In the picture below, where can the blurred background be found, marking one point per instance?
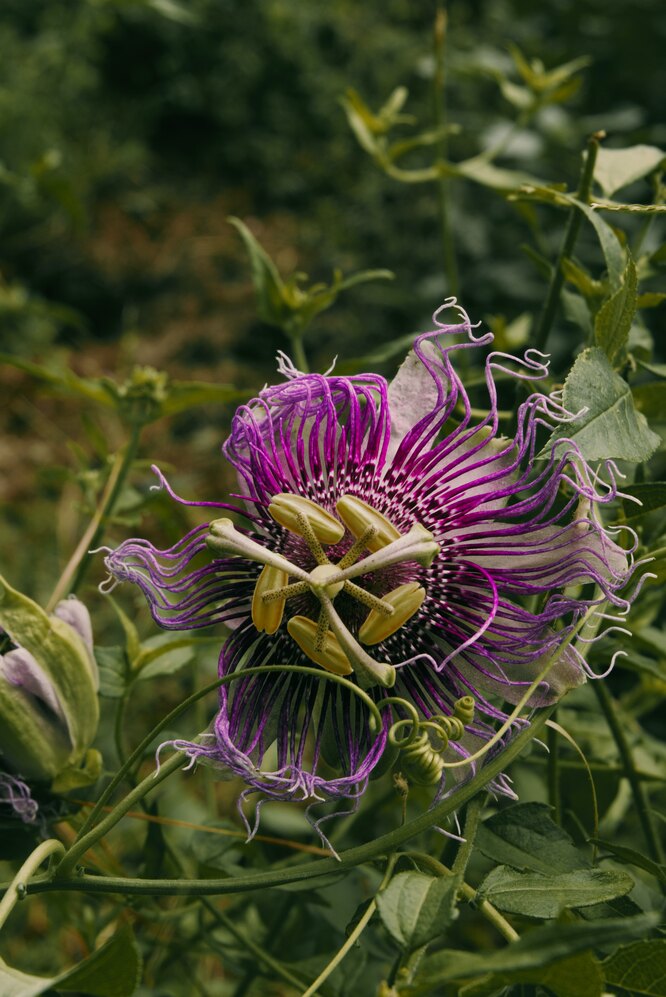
(131, 129)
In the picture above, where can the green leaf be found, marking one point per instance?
(650, 399)
(614, 318)
(651, 299)
(183, 395)
(610, 428)
(111, 971)
(581, 975)
(632, 857)
(617, 168)
(416, 908)
(112, 664)
(132, 640)
(268, 284)
(525, 837)
(652, 495)
(536, 949)
(639, 968)
(65, 661)
(165, 654)
(538, 895)
(65, 382)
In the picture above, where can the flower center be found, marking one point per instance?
(327, 640)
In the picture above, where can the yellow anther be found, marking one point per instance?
(319, 575)
(285, 510)
(357, 516)
(405, 600)
(331, 656)
(267, 615)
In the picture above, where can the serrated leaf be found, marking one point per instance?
(541, 947)
(639, 968)
(416, 908)
(581, 975)
(614, 318)
(524, 836)
(617, 168)
(610, 428)
(535, 894)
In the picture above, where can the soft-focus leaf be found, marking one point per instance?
(617, 168)
(633, 857)
(536, 949)
(416, 908)
(651, 299)
(650, 399)
(639, 968)
(581, 975)
(611, 428)
(538, 895)
(183, 395)
(614, 318)
(652, 495)
(65, 381)
(268, 284)
(165, 654)
(524, 836)
(112, 665)
(111, 971)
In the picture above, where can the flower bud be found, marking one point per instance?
(48, 703)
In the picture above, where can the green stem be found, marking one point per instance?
(386, 844)
(484, 907)
(568, 242)
(471, 826)
(641, 801)
(248, 943)
(17, 888)
(82, 563)
(138, 752)
(86, 841)
(354, 935)
(554, 796)
(299, 357)
(440, 113)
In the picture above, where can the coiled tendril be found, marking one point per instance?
(422, 747)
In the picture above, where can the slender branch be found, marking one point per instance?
(354, 935)
(386, 844)
(249, 943)
(472, 818)
(554, 795)
(300, 359)
(84, 842)
(641, 801)
(79, 563)
(484, 907)
(568, 242)
(440, 113)
(17, 888)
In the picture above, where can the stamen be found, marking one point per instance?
(331, 657)
(358, 547)
(226, 539)
(368, 599)
(306, 530)
(418, 545)
(368, 671)
(357, 516)
(267, 614)
(406, 600)
(322, 630)
(286, 509)
(286, 592)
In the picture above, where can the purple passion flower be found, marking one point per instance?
(387, 533)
